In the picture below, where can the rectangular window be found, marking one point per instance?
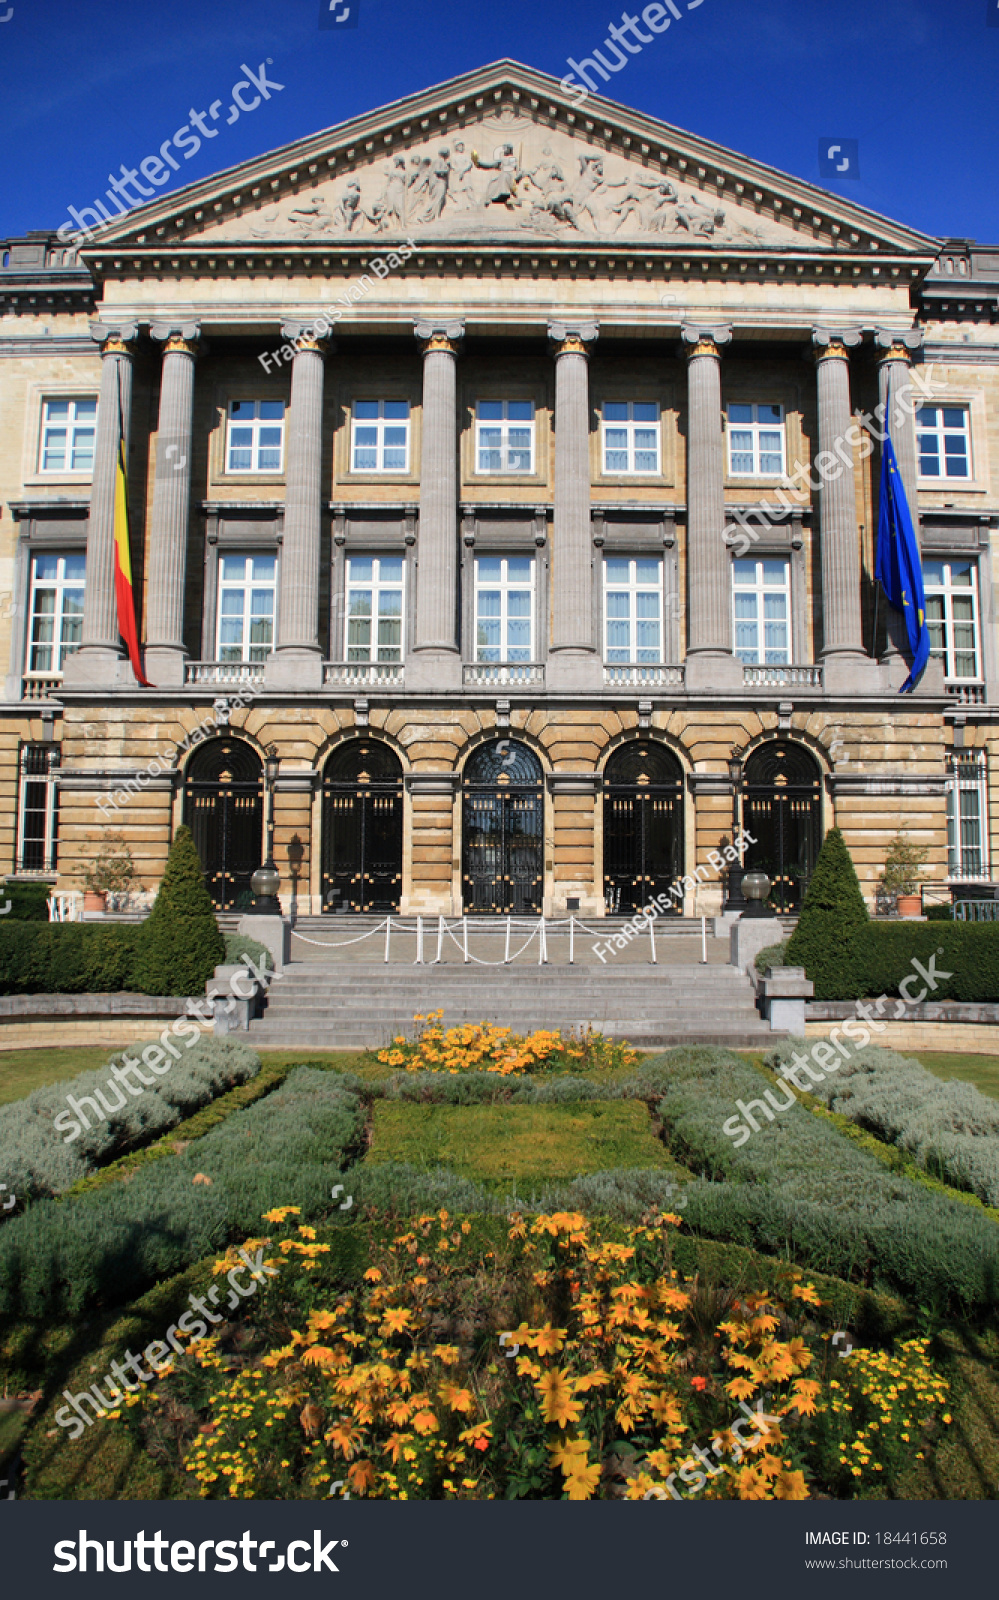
(69, 428)
(943, 436)
(379, 439)
(633, 609)
(374, 608)
(256, 436)
(504, 608)
(36, 811)
(967, 817)
(247, 589)
(55, 610)
(952, 615)
(761, 595)
(504, 436)
(631, 436)
(755, 441)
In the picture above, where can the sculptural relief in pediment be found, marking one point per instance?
(508, 176)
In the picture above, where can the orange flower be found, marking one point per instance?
(700, 1384)
(557, 1404)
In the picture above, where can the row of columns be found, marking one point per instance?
(435, 662)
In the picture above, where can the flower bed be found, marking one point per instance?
(484, 1047)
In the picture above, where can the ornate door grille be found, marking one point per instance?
(503, 831)
(362, 829)
(781, 810)
(643, 826)
(224, 809)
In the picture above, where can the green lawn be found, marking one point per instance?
(544, 1143)
(24, 1070)
(982, 1071)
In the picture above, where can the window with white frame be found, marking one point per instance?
(631, 436)
(755, 440)
(379, 439)
(247, 591)
(375, 587)
(69, 429)
(504, 436)
(255, 441)
(952, 615)
(36, 809)
(967, 816)
(55, 610)
(943, 437)
(761, 595)
(633, 609)
(504, 608)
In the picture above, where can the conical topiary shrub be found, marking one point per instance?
(182, 944)
(826, 942)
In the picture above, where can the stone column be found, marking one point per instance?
(846, 665)
(165, 652)
(435, 660)
(710, 662)
(574, 662)
(297, 661)
(100, 659)
(896, 349)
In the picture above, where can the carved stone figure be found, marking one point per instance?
(349, 210)
(437, 187)
(698, 219)
(462, 190)
(390, 208)
(502, 189)
(588, 186)
(314, 216)
(638, 193)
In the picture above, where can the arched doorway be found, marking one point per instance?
(503, 830)
(643, 825)
(224, 809)
(362, 828)
(781, 801)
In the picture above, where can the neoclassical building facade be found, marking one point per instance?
(503, 490)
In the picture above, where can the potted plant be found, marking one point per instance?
(900, 878)
(112, 871)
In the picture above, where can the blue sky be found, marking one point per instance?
(89, 87)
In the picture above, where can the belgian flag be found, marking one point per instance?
(124, 595)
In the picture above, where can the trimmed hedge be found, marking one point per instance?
(181, 945)
(69, 957)
(35, 1158)
(29, 902)
(876, 958)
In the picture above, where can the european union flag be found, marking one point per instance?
(898, 567)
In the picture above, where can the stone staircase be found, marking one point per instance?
(365, 1004)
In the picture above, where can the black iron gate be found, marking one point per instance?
(224, 809)
(643, 826)
(503, 831)
(362, 828)
(781, 810)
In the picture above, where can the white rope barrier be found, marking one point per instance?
(540, 930)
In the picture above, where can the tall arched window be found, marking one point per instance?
(643, 825)
(362, 828)
(781, 808)
(224, 809)
(503, 830)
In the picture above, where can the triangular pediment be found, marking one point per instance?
(503, 157)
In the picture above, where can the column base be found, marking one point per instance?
(850, 673)
(97, 666)
(166, 666)
(574, 670)
(712, 672)
(294, 667)
(433, 667)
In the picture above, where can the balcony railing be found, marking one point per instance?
(643, 677)
(39, 685)
(512, 672)
(363, 674)
(214, 672)
(966, 694)
(781, 677)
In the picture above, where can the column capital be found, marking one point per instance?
(835, 343)
(115, 339)
(898, 344)
(183, 337)
(703, 339)
(445, 335)
(571, 338)
(305, 338)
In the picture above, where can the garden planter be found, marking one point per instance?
(92, 901)
(909, 905)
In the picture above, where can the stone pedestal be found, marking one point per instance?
(784, 991)
(749, 936)
(272, 931)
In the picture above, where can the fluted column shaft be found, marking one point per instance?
(900, 420)
(437, 581)
(842, 626)
(171, 503)
(709, 576)
(572, 536)
(297, 661)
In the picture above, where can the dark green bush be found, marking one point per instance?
(182, 944)
(29, 902)
(832, 916)
(69, 957)
(939, 913)
(875, 959)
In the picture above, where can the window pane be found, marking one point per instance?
(365, 408)
(618, 605)
(390, 569)
(270, 409)
(233, 569)
(933, 572)
(770, 413)
(618, 571)
(616, 461)
(740, 413)
(360, 569)
(615, 411)
(490, 410)
(646, 411)
(83, 449)
(744, 571)
(953, 416)
(489, 603)
(521, 410)
(264, 568)
(397, 408)
(774, 571)
(518, 569)
(489, 569)
(647, 571)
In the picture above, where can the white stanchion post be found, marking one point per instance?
(388, 936)
(542, 944)
(464, 935)
(419, 942)
(704, 941)
(572, 944)
(440, 939)
(652, 940)
(506, 952)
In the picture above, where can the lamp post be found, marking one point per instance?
(736, 900)
(267, 880)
